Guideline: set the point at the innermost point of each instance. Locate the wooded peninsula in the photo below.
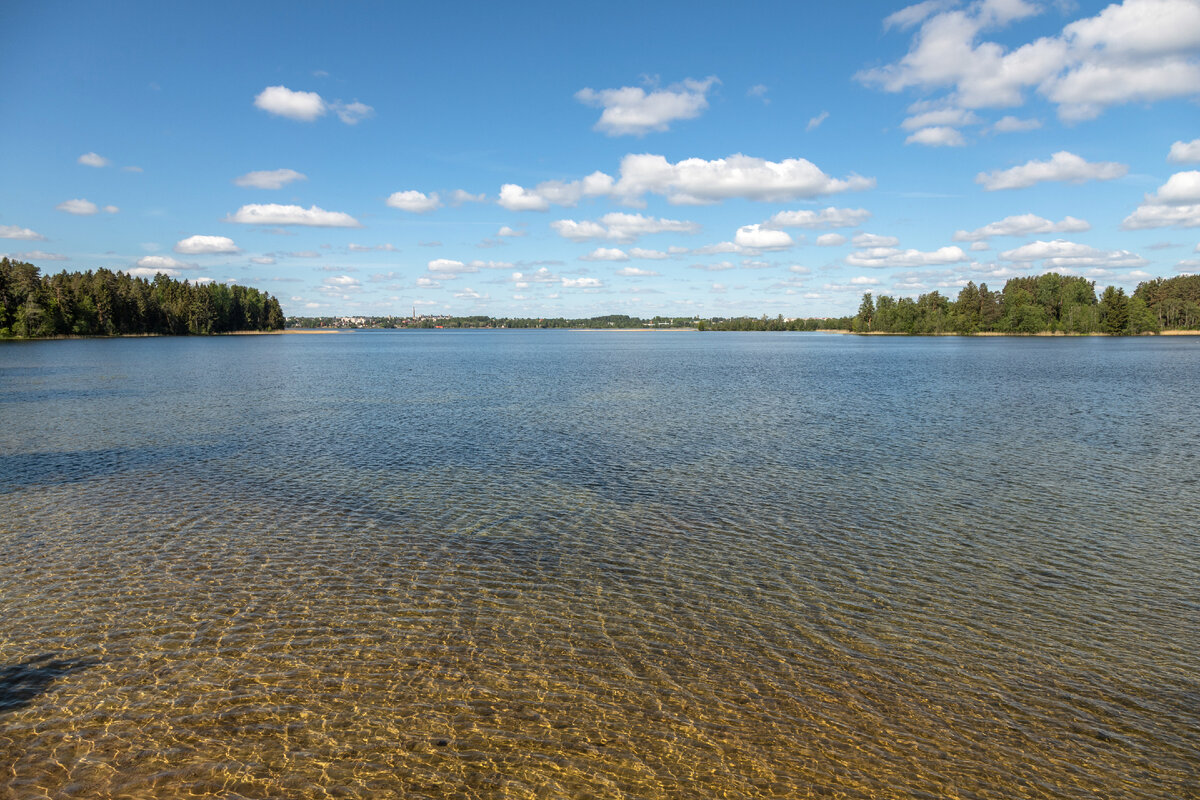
(107, 303)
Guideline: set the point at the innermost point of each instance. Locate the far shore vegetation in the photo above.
(113, 303)
(108, 303)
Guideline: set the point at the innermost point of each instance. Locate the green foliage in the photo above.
(107, 303)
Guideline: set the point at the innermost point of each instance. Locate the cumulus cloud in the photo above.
(93, 160)
(283, 102)
(269, 179)
(864, 280)
(1011, 124)
(696, 181)
(194, 245)
(1022, 225)
(507, 231)
(633, 110)
(1061, 253)
(656, 255)
(1062, 166)
(17, 232)
(824, 219)
(560, 193)
(1136, 51)
(79, 207)
(634, 272)
(937, 136)
(1177, 203)
(150, 272)
(952, 117)
(756, 237)
(413, 201)
(582, 283)
(892, 257)
(449, 268)
(830, 240)
(165, 264)
(470, 294)
(874, 240)
(275, 214)
(620, 227)
(1185, 152)
(606, 254)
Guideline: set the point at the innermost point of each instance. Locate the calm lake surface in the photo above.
(608, 565)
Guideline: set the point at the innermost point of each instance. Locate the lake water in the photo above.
(606, 565)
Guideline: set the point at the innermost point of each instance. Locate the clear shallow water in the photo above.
(559, 564)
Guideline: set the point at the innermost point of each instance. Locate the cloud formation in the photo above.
(1061, 253)
(195, 245)
(1022, 225)
(633, 110)
(1176, 203)
(93, 160)
(269, 179)
(1062, 166)
(164, 264)
(17, 232)
(620, 227)
(308, 106)
(84, 208)
(824, 219)
(275, 214)
(891, 257)
(413, 201)
(1185, 152)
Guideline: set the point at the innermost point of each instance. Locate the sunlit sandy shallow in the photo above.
(488, 565)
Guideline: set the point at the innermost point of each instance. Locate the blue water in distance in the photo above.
(565, 564)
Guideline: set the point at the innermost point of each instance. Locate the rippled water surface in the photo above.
(563, 564)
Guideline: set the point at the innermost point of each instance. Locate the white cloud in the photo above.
(413, 201)
(274, 214)
(1022, 225)
(914, 14)
(283, 102)
(816, 121)
(756, 237)
(1136, 51)
(39, 255)
(719, 266)
(150, 272)
(308, 254)
(428, 283)
(817, 220)
(79, 207)
(343, 282)
(634, 272)
(193, 245)
(953, 117)
(863, 280)
(891, 257)
(352, 113)
(541, 275)
(449, 268)
(470, 294)
(874, 240)
(1177, 202)
(975, 246)
(560, 193)
(1062, 166)
(111, 210)
(830, 240)
(269, 179)
(695, 181)
(507, 231)
(620, 227)
(262, 259)
(1011, 124)
(632, 110)
(490, 265)
(606, 254)
(460, 196)
(937, 136)
(1185, 152)
(93, 160)
(581, 283)
(1061, 253)
(799, 269)
(165, 264)
(656, 255)
(16, 232)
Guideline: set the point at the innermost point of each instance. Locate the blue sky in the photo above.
(549, 159)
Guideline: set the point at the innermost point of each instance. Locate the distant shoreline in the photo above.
(1001, 333)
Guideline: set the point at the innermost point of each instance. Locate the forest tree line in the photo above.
(107, 303)
(1049, 303)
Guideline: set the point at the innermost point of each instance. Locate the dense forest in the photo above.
(1049, 303)
(107, 303)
